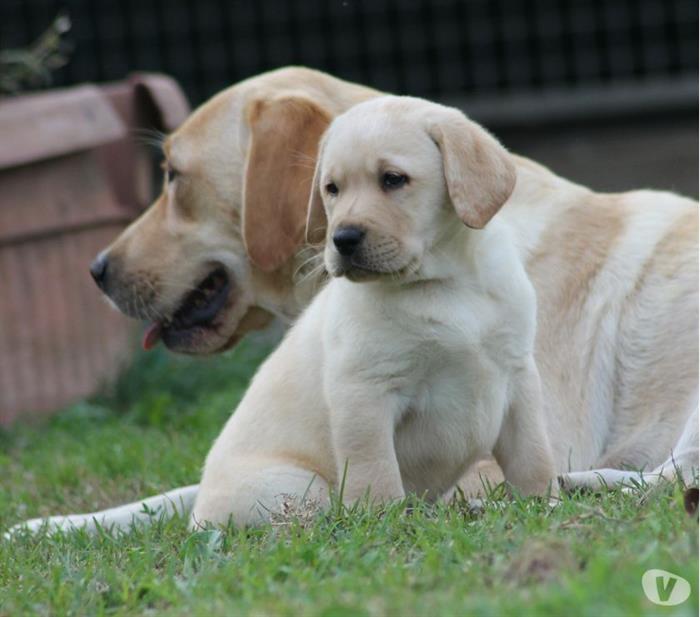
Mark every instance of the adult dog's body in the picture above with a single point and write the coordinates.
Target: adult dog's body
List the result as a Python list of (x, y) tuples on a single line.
[(616, 276)]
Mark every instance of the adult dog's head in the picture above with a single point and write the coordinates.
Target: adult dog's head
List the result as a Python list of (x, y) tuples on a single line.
[(392, 174), (214, 257)]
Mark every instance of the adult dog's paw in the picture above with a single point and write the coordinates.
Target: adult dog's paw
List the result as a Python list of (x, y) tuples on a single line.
[(48, 525)]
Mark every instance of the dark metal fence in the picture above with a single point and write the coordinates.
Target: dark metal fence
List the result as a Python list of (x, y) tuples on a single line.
[(435, 48)]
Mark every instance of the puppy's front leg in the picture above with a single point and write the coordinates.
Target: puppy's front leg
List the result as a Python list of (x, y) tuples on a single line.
[(523, 450), (363, 439)]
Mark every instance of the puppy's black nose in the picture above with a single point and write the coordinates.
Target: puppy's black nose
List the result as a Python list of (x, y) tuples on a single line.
[(347, 239), (98, 270)]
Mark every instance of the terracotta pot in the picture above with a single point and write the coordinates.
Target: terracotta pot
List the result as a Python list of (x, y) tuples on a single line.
[(72, 176)]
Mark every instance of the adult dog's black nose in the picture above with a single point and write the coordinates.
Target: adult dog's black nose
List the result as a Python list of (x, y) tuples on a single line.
[(347, 239), (98, 270)]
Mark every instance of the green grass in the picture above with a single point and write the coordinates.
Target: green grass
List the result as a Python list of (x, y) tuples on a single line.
[(151, 433)]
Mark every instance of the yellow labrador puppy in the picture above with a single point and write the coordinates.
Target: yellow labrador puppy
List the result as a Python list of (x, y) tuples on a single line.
[(418, 359)]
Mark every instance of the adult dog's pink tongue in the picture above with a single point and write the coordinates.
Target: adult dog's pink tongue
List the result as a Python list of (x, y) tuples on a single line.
[(151, 336)]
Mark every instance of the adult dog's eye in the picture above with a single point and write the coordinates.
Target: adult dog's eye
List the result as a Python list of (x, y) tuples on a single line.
[(392, 180), (331, 188), (171, 173)]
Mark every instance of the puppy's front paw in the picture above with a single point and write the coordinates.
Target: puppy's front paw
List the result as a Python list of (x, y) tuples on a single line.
[(374, 483)]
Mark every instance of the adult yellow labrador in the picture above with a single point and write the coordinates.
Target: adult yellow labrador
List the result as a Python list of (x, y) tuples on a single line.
[(616, 275)]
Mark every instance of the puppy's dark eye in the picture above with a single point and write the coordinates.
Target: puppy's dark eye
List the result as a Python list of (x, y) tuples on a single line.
[(171, 173), (392, 180), (331, 188)]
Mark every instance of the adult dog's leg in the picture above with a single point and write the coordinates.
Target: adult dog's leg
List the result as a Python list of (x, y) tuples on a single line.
[(251, 492), (178, 501), (682, 464)]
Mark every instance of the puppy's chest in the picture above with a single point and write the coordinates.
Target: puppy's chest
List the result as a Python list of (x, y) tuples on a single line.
[(442, 377), (427, 356)]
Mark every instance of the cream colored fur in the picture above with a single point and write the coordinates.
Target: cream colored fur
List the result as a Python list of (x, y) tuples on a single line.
[(615, 275)]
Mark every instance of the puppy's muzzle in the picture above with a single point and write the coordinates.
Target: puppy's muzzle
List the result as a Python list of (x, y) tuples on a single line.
[(347, 240)]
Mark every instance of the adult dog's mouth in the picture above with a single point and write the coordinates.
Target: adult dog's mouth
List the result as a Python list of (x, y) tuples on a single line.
[(197, 311)]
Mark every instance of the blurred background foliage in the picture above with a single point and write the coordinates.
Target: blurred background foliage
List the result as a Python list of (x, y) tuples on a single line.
[(31, 68), (161, 389)]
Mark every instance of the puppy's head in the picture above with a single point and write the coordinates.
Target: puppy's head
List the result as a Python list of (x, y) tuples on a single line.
[(219, 241), (391, 175)]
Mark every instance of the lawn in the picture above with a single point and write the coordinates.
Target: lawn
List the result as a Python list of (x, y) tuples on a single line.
[(151, 433)]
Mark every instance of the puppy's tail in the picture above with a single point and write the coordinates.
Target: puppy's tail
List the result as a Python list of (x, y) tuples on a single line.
[(177, 502)]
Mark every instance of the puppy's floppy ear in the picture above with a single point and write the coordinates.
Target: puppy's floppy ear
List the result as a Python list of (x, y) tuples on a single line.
[(479, 171), (284, 135), (316, 221)]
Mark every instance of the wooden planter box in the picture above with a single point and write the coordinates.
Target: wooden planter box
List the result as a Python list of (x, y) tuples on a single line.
[(72, 176)]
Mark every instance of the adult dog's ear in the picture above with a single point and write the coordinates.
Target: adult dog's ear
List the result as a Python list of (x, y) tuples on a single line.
[(316, 220), (284, 135), (479, 171)]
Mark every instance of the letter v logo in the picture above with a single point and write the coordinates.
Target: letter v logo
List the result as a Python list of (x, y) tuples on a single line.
[(665, 588)]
